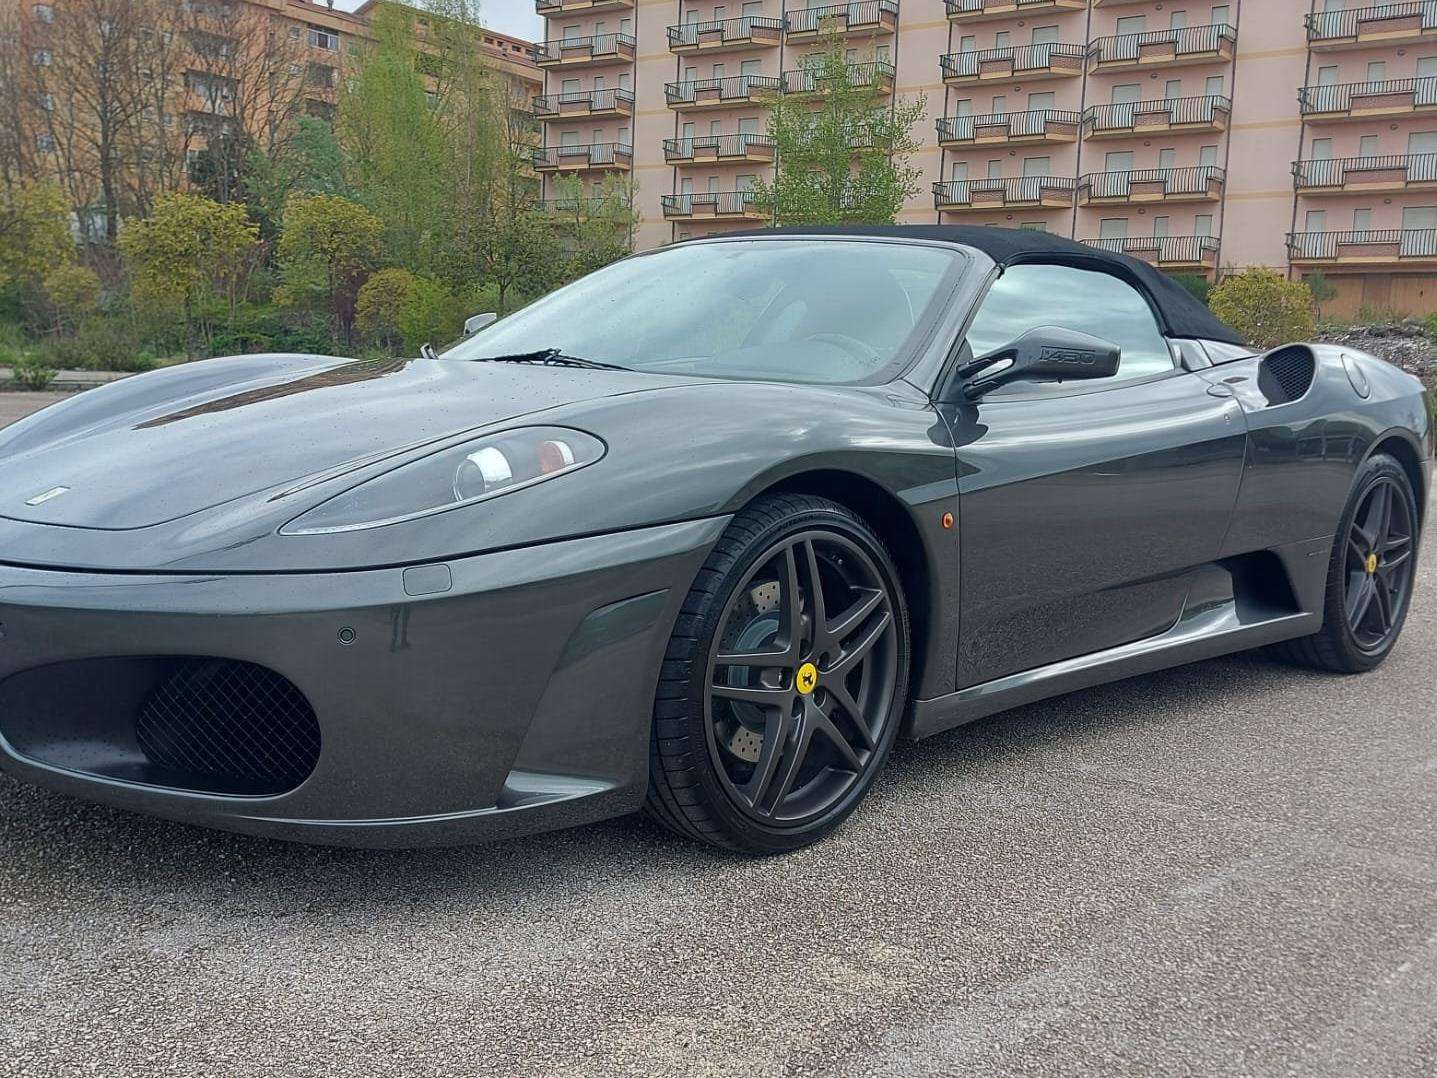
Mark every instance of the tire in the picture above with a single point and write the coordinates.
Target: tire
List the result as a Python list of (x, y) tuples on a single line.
[(749, 755), (1342, 646)]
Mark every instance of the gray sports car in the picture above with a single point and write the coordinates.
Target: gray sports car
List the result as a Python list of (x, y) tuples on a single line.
[(703, 533)]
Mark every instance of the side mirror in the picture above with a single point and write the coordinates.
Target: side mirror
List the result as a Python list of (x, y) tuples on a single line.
[(474, 324), (1044, 353)]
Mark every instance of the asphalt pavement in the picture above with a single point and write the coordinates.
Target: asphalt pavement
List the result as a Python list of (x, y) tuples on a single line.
[(1227, 869)]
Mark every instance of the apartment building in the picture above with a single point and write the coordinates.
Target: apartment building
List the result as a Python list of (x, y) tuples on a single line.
[(1295, 134)]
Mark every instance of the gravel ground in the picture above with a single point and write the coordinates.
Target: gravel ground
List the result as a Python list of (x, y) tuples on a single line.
[(1226, 869)]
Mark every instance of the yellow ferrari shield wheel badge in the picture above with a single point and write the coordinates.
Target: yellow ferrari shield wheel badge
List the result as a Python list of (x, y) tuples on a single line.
[(1371, 564), (806, 680)]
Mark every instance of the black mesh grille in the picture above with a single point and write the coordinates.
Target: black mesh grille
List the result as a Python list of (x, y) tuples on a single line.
[(1287, 375), (232, 721)]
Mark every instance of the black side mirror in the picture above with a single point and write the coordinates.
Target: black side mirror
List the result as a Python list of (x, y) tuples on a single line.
[(1044, 353)]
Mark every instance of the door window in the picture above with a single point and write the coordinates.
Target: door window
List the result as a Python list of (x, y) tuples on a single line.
[(1028, 296)]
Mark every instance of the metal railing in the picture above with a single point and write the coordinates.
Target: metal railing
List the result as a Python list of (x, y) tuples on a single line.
[(973, 7), (1013, 188), (557, 6), (1410, 242), (1336, 171), (1031, 122), (720, 145), (861, 13), (717, 202), (1180, 110), (688, 33), (595, 153), (1024, 58), (597, 100), (732, 87), (1338, 97), (1186, 249), (597, 45), (1193, 180), (1330, 25), (805, 80), (1185, 41)]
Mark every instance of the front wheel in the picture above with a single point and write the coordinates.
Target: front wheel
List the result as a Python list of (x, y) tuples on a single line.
[(784, 682)]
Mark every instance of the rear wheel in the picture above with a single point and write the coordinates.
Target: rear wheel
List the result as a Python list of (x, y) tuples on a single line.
[(1370, 575), (784, 681)]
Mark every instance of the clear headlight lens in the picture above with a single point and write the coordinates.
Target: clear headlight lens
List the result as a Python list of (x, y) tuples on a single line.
[(475, 471)]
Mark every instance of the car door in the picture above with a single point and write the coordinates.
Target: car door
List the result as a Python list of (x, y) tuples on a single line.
[(1085, 507)]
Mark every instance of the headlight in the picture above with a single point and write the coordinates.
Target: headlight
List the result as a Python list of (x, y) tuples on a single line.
[(460, 475)]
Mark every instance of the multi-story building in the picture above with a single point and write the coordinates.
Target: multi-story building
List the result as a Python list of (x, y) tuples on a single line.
[(1295, 134)]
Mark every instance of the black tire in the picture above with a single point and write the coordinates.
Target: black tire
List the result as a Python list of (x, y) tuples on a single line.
[(1340, 646), (758, 579)]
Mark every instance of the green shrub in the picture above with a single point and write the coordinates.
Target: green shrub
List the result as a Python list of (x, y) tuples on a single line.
[(102, 344), (1196, 283), (31, 373), (380, 304), (1431, 325), (1264, 307)]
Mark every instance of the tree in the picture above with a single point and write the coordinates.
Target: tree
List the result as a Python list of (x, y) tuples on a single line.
[(1323, 290), (34, 232), (327, 247), (841, 151), (1264, 307), (380, 305), (193, 253)]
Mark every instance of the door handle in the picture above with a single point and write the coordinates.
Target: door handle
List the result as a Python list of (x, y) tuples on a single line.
[(1219, 391)]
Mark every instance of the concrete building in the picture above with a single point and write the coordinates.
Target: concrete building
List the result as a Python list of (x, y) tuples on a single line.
[(1295, 134)]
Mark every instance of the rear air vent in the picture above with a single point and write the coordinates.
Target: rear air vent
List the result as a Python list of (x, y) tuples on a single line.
[(1286, 374)]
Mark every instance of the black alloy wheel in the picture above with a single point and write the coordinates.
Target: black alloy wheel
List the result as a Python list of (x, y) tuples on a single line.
[(793, 680)]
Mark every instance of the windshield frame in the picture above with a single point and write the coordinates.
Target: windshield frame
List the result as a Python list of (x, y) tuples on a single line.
[(919, 340)]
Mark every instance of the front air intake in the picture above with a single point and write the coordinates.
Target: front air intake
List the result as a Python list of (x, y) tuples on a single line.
[(1286, 374)]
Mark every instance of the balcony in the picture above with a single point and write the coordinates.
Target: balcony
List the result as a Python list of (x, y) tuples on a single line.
[(585, 51), (1018, 192), (579, 208), (1201, 183), (1164, 48), (1366, 100), (874, 73), (966, 11), (1391, 24), (1034, 127), (584, 104), (719, 149), (1194, 254), (1371, 247), (1027, 63), (584, 157), (712, 206), (580, 7), (725, 35), (866, 18), (1174, 115), (1391, 173), (721, 93)]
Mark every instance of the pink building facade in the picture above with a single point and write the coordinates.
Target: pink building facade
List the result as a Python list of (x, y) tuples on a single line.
[(1295, 134)]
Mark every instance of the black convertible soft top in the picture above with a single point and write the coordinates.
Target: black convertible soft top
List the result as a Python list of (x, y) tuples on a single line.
[(1179, 311)]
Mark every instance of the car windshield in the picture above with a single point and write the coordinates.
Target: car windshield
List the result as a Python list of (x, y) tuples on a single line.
[(822, 311)]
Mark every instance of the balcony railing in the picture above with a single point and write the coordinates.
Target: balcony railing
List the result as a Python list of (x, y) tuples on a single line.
[(1403, 94), (1199, 112), (583, 49), (702, 35), (559, 7), (872, 73), (1390, 171), (584, 155), (1153, 46), (711, 147), (1368, 245), (984, 193), (710, 203), (1023, 59), (1033, 124), (1385, 23), (964, 10), (861, 15), (1152, 183), (735, 88), (1163, 250), (584, 103)]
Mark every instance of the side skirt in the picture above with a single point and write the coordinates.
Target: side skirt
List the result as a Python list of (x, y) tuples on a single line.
[(1203, 633)]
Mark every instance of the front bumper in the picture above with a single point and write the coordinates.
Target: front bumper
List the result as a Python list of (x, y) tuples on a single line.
[(517, 699)]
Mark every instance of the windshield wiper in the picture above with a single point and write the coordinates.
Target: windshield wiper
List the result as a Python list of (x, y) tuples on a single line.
[(551, 357)]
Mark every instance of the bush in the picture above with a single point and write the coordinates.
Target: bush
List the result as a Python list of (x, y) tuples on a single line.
[(1264, 307), (380, 305), (30, 373), (103, 344), (1431, 325), (1196, 283)]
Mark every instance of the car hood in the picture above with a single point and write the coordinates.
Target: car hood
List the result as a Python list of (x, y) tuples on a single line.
[(160, 446)]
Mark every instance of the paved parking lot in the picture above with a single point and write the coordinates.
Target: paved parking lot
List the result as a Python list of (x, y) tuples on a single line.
[(1226, 869)]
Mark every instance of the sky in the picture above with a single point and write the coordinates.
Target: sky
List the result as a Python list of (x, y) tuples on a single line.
[(516, 17)]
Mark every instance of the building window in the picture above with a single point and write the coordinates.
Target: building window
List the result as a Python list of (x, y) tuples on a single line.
[(45, 143), (321, 75), (42, 58), (45, 101), (43, 13), (323, 39)]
